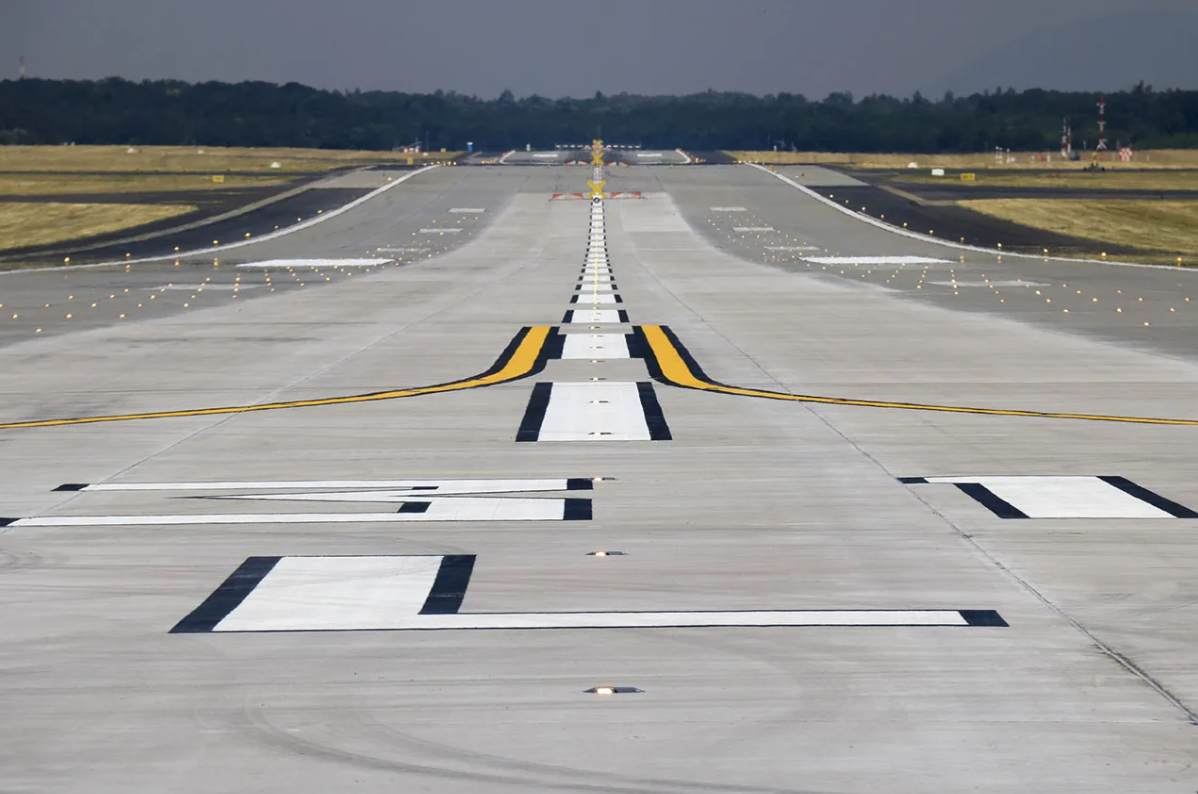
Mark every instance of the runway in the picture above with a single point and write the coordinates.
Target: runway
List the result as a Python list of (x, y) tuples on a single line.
[(715, 490)]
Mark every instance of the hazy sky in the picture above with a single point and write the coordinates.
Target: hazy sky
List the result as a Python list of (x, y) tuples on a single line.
[(564, 47)]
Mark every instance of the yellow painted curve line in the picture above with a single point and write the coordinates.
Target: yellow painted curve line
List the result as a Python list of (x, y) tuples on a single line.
[(520, 362), (675, 370)]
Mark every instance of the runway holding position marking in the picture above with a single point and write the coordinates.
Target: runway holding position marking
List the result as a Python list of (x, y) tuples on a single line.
[(424, 593)]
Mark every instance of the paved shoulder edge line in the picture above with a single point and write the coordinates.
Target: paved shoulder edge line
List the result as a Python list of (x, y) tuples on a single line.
[(924, 238), (241, 243)]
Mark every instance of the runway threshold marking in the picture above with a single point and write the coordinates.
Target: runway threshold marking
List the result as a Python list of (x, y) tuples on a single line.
[(671, 363), (524, 356)]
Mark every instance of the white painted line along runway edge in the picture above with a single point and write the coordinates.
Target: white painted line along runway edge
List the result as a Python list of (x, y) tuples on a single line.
[(273, 235), (925, 238)]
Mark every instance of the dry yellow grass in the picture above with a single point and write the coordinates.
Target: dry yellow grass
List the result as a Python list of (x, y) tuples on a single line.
[(1150, 225), (41, 223), (1156, 179), (187, 158), (40, 184), (1158, 159)]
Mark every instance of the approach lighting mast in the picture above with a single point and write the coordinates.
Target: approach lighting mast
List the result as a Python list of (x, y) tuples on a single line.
[(1101, 125), (1067, 141)]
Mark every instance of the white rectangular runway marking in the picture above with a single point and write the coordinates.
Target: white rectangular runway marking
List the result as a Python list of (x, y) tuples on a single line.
[(728, 209), (648, 620), (472, 210), (421, 593), (593, 298), (440, 231), (335, 593), (792, 248), (754, 229), (598, 346), (1062, 497), (431, 487), (875, 260), (595, 316), (452, 509), (316, 263), (594, 412), (589, 286)]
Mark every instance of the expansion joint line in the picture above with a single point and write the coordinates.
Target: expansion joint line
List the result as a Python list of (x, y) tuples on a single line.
[(671, 363), (524, 356)]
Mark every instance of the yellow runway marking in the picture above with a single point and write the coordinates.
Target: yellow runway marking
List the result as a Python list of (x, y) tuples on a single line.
[(516, 363), (675, 369)]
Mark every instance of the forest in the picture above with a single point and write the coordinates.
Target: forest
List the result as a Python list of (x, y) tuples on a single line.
[(168, 112)]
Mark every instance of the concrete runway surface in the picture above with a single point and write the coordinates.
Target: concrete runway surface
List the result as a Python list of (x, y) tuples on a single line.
[(719, 490)]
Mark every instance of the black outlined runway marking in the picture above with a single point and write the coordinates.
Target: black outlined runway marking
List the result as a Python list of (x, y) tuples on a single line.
[(425, 593)]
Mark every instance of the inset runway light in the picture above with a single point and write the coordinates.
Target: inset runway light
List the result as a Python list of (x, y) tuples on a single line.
[(606, 553), (613, 690)]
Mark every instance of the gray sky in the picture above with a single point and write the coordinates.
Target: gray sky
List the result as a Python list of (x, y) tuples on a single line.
[(550, 47)]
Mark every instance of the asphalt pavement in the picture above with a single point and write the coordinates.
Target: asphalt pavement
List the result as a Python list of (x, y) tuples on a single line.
[(720, 489)]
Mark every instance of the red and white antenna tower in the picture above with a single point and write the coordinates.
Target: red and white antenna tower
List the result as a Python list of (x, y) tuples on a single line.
[(1101, 125), (1066, 141)]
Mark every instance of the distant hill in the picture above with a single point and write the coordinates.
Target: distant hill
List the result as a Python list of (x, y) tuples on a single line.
[(1101, 54)]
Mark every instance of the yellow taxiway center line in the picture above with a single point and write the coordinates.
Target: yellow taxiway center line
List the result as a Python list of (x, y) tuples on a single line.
[(677, 371), (519, 363)]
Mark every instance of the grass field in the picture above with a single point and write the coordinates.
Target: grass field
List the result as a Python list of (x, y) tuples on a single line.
[(1156, 179), (81, 170), (72, 184), (166, 159), (41, 223), (1158, 226), (1159, 159)]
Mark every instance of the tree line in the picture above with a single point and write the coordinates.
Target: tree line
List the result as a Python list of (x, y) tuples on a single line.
[(170, 112)]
